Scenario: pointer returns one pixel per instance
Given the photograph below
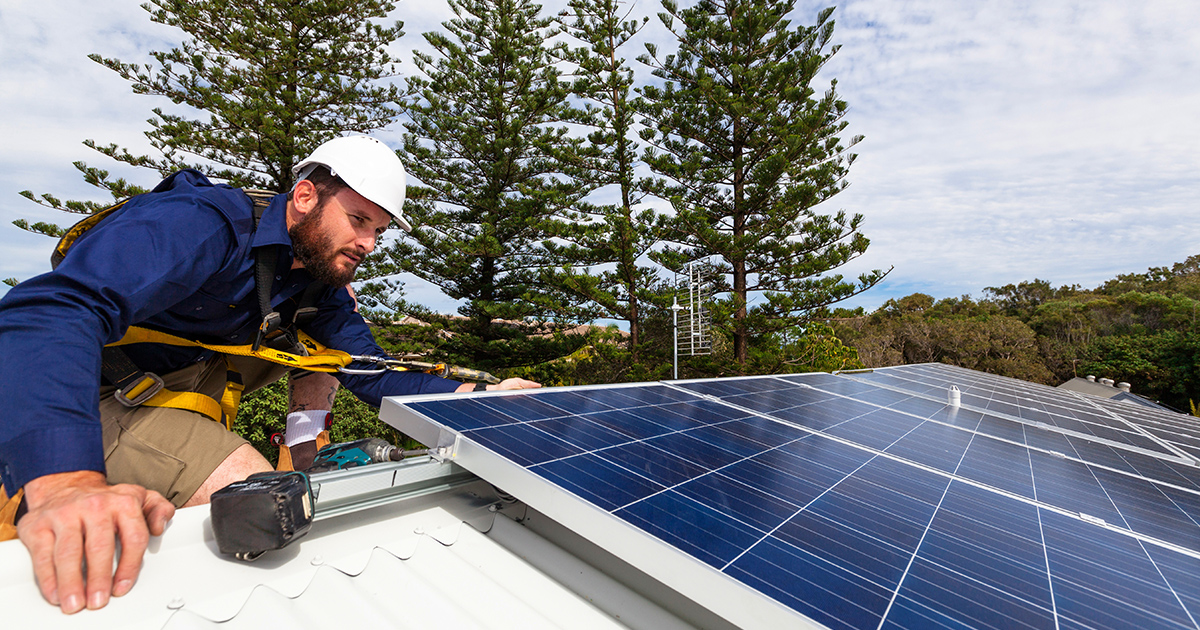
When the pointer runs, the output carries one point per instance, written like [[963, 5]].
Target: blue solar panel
[[866, 500]]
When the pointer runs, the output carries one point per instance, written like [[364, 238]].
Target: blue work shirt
[[178, 259]]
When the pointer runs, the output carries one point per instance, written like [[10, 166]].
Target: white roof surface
[[442, 558]]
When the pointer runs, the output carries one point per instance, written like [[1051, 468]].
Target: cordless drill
[[271, 510]]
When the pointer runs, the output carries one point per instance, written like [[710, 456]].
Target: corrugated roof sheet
[[423, 562]]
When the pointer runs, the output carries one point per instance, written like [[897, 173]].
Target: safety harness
[[277, 341]]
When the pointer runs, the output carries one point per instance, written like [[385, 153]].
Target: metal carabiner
[[358, 358]]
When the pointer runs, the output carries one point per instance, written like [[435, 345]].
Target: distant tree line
[[1138, 327]]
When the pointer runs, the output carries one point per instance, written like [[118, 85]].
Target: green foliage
[[1021, 299], [1139, 328], [1180, 278], [958, 331], [481, 140], [815, 348], [745, 148], [260, 84], [615, 233]]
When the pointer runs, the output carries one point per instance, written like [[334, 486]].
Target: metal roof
[[436, 548]]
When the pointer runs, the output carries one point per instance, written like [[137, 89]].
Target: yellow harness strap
[[8, 514], [320, 359]]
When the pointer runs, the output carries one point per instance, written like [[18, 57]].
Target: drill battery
[[266, 511]]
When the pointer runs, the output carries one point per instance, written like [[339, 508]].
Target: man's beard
[[313, 247]]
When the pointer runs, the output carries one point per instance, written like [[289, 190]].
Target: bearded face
[[313, 245]]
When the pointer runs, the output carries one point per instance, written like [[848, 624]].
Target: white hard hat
[[367, 166]]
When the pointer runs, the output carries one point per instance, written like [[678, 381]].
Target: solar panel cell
[[524, 407], [878, 429], [1071, 486], [463, 415], [736, 499], [701, 531], [654, 464], [598, 480], [582, 433], [1140, 503], [524, 445], [1003, 429], [858, 551], [999, 465], [826, 593], [934, 445], [933, 596]]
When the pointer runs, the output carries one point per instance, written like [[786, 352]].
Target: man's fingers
[[68, 567], [41, 552], [99, 547], [135, 537], [157, 511]]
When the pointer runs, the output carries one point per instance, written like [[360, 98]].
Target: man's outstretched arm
[[77, 516]]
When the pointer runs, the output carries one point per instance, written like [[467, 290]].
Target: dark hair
[[327, 183]]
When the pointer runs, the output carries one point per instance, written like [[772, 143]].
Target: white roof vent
[[1091, 378], [1107, 381], [1124, 386]]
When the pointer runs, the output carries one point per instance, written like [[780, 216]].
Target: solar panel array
[[866, 500]]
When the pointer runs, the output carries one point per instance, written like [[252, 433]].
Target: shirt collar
[[272, 229]]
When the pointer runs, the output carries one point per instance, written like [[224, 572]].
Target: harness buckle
[[270, 324], [155, 386]]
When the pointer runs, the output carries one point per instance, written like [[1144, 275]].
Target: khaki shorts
[[173, 451]]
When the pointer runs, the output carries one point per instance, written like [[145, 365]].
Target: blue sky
[[1004, 140]]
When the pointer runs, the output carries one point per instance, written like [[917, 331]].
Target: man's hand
[[514, 383], [508, 383], [77, 516]]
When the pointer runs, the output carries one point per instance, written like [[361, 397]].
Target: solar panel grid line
[[1045, 551], [1073, 514], [1137, 412], [1171, 587], [969, 554], [1083, 516], [917, 550], [1080, 515], [1158, 481], [1138, 429], [802, 508], [739, 603], [989, 391], [1142, 543], [1048, 427], [711, 472], [1109, 581]]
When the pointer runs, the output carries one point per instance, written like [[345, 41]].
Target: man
[[179, 259]]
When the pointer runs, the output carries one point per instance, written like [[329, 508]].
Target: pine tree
[[481, 139], [745, 149], [261, 82], [618, 234]]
